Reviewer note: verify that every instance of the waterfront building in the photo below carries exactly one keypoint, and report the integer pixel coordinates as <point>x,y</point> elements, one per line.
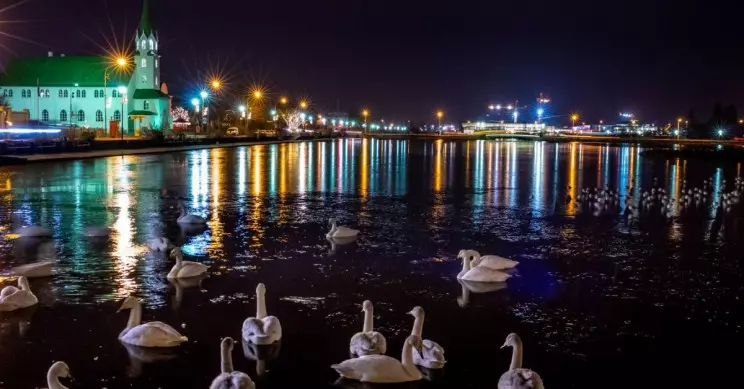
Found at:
<point>91,91</point>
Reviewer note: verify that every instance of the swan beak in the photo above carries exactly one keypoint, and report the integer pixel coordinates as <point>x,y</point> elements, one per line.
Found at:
<point>506,344</point>
<point>411,313</point>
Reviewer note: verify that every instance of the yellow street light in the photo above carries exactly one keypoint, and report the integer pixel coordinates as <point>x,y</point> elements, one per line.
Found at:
<point>303,104</point>
<point>216,84</point>
<point>283,100</point>
<point>574,118</point>
<point>257,94</point>
<point>121,62</point>
<point>440,114</point>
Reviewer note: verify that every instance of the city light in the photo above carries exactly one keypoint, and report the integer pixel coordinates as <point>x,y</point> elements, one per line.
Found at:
<point>303,104</point>
<point>540,112</point>
<point>720,132</point>
<point>283,100</point>
<point>216,84</point>
<point>195,102</point>
<point>121,62</point>
<point>440,114</point>
<point>257,94</point>
<point>498,106</point>
<point>203,94</point>
<point>240,108</point>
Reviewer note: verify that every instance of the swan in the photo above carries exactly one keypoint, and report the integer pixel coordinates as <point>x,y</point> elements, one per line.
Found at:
<point>189,219</point>
<point>493,262</point>
<point>381,368</point>
<point>42,268</point>
<point>161,244</point>
<point>340,231</point>
<point>367,342</point>
<point>185,269</point>
<point>151,334</point>
<point>480,274</point>
<point>431,355</point>
<point>12,298</point>
<point>29,231</point>
<point>262,329</point>
<point>517,377</point>
<point>56,371</point>
<point>229,378</point>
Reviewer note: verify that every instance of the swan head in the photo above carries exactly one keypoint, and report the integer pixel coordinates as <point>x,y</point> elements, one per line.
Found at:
<point>367,306</point>
<point>60,369</point>
<point>228,343</point>
<point>176,253</point>
<point>129,303</point>
<point>23,283</point>
<point>512,340</point>
<point>415,342</point>
<point>261,289</point>
<point>417,312</point>
<point>331,220</point>
<point>468,254</point>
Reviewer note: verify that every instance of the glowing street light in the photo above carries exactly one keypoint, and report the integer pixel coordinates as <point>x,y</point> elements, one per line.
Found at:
<point>257,94</point>
<point>303,104</point>
<point>216,84</point>
<point>195,102</point>
<point>574,118</point>
<point>283,100</point>
<point>121,62</point>
<point>440,114</point>
<point>203,94</point>
<point>365,113</point>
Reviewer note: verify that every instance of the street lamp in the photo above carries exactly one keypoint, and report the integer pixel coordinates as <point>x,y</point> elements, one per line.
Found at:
<point>257,94</point>
<point>303,104</point>
<point>574,118</point>
<point>540,112</point>
<point>216,84</point>
<point>203,94</point>
<point>283,100</point>
<point>123,93</point>
<point>121,62</point>
<point>440,114</point>
<point>679,121</point>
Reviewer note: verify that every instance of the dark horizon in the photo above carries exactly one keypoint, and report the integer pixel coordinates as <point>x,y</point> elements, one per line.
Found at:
<point>405,61</point>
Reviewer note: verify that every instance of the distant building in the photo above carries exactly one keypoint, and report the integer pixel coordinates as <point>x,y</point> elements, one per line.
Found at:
<point>90,91</point>
<point>526,128</point>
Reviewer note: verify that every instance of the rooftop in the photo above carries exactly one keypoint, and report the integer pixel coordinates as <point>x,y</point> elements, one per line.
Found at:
<point>62,71</point>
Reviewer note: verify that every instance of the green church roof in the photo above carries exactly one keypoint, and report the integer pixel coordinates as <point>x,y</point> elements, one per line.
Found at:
<point>144,25</point>
<point>62,71</point>
<point>149,94</point>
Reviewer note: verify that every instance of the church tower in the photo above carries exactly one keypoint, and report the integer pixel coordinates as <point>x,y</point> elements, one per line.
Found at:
<point>146,59</point>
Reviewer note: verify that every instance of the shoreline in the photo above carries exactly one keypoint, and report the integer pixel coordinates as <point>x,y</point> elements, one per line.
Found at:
<point>142,147</point>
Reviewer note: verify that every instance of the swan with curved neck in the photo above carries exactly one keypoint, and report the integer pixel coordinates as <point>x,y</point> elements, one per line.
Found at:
<point>185,269</point>
<point>12,298</point>
<point>340,231</point>
<point>493,262</point>
<point>150,334</point>
<point>229,378</point>
<point>431,355</point>
<point>28,231</point>
<point>480,274</point>
<point>381,368</point>
<point>518,377</point>
<point>56,371</point>
<point>262,329</point>
<point>367,342</point>
<point>189,219</point>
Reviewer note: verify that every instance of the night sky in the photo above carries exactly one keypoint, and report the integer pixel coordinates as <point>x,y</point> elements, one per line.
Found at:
<point>404,59</point>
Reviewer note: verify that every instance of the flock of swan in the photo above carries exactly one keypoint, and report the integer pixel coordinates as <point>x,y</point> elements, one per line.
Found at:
<point>367,348</point>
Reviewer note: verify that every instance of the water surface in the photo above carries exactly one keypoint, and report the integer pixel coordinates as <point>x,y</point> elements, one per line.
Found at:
<point>598,302</point>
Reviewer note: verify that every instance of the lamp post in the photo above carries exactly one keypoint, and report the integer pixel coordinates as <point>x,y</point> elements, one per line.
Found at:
<point>205,113</point>
<point>365,113</point>
<point>123,93</point>
<point>195,103</point>
<point>574,118</point>
<point>679,121</point>
<point>243,117</point>
<point>440,114</point>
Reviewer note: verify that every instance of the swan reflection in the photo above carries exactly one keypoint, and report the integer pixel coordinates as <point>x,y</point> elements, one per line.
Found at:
<point>19,320</point>
<point>353,384</point>
<point>478,288</point>
<point>179,284</point>
<point>261,354</point>
<point>139,356</point>
<point>337,242</point>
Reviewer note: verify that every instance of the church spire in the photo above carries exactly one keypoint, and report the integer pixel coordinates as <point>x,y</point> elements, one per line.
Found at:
<point>144,25</point>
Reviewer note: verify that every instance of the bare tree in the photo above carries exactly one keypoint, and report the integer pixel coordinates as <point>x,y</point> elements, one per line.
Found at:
<point>293,118</point>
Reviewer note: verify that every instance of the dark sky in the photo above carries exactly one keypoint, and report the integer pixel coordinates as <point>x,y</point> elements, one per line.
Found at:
<point>404,59</point>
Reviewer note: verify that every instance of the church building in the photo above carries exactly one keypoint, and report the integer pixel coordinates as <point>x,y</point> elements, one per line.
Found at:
<point>92,92</point>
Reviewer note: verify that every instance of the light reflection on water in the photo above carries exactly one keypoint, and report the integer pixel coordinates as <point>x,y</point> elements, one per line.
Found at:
<point>417,204</point>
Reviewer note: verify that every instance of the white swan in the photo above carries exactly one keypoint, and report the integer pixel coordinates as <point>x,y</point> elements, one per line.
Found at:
<point>189,219</point>
<point>28,231</point>
<point>517,377</point>
<point>43,268</point>
<point>229,378</point>
<point>161,244</point>
<point>12,298</point>
<point>367,342</point>
<point>493,262</point>
<point>185,269</point>
<point>340,231</point>
<point>151,334</point>
<point>381,368</point>
<point>56,371</point>
<point>431,355</point>
<point>262,329</point>
<point>480,274</point>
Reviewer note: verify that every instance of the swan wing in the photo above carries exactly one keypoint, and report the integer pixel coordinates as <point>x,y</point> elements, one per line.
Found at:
<point>368,343</point>
<point>234,380</point>
<point>520,379</point>
<point>266,331</point>
<point>482,274</point>
<point>153,334</point>
<point>495,262</point>
<point>374,368</point>
<point>192,269</point>
<point>432,351</point>
<point>17,299</point>
<point>7,291</point>
<point>345,232</point>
